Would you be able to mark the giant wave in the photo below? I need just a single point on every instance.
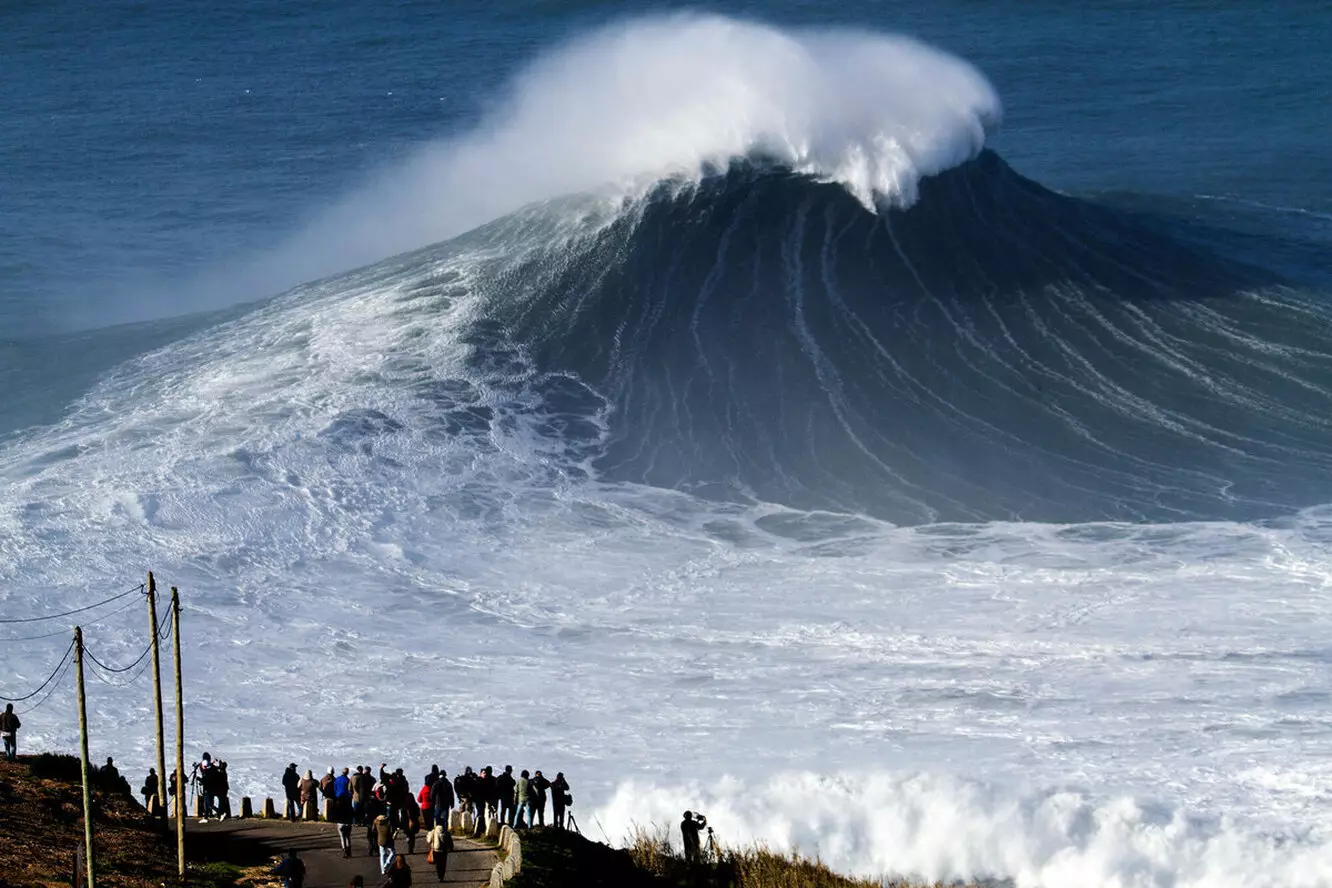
(665, 431)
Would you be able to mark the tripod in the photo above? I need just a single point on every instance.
(711, 853)
(570, 823)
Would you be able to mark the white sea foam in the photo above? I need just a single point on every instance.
(877, 823)
(669, 97)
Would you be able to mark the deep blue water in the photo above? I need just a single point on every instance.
(143, 143)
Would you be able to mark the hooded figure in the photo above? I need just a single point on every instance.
(309, 795)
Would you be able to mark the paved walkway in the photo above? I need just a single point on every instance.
(255, 842)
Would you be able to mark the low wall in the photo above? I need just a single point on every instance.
(512, 851)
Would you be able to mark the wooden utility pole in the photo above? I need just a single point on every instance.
(83, 747)
(157, 700)
(180, 738)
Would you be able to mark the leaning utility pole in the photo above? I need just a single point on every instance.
(180, 738)
(157, 700)
(83, 746)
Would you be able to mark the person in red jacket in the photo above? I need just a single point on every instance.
(427, 809)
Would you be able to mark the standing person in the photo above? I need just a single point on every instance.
(291, 783)
(689, 829)
(559, 798)
(462, 785)
(149, 788)
(542, 786)
(427, 808)
(384, 837)
(222, 790)
(441, 798)
(485, 799)
(309, 796)
(504, 785)
(522, 798)
(399, 874)
(440, 844)
(171, 791)
(292, 870)
(342, 786)
(9, 728)
(326, 784)
(357, 800)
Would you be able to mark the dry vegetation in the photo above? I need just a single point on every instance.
(558, 859)
(41, 826)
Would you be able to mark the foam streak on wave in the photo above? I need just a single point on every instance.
(943, 828)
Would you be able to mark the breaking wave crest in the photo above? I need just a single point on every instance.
(675, 96)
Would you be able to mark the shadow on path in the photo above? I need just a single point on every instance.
(259, 842)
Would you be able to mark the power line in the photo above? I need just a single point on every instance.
(77, 610)
(97, 622)
(68, 664)
(43, 685)
(114, 669)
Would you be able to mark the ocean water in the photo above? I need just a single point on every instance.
(898, 431)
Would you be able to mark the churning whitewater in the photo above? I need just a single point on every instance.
(747, 437)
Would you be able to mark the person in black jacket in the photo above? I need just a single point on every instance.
(504, 785)
(441, 797)
(559, 798)
(9, 727)
(291, 782)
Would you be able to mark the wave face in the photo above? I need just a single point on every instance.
(994, 352)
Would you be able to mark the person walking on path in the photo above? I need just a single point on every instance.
(541, 785)
(291, 783)
(427, 809)
(441, 799)
(559, 798)
(399, 874)
(411, 826)
(309, 796)
(440, 844)
(384, 837)
(291, 870)
(504, 785)
(344, 818)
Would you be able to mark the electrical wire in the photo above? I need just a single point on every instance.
(43, 685)
(117, 670)
(78, 610)
(97, 622)
(67, 665)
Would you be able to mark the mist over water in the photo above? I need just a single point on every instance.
(743, 436)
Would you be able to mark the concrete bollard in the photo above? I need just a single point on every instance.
(467, 823)
(455, 821)
(270, 812)
(328, 809)
(247, 809)
(154, 806)
(310, 812)
(198, 806)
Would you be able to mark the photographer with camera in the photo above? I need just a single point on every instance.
(689, 830)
